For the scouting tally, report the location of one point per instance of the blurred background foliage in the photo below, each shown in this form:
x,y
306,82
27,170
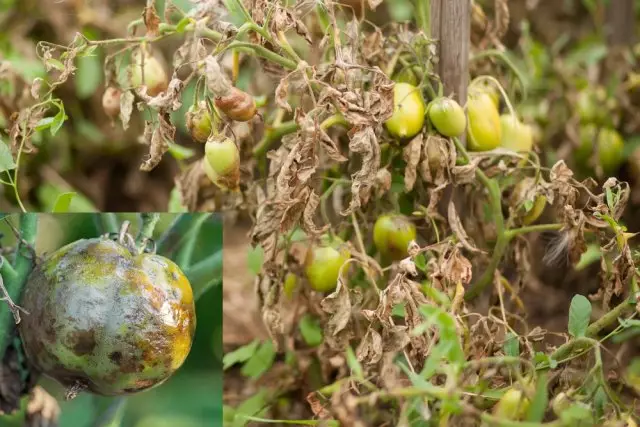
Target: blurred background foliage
x,y
192,397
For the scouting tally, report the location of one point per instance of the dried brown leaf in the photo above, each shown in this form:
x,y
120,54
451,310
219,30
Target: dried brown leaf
x,y
458,229
365,142
163,132
411,155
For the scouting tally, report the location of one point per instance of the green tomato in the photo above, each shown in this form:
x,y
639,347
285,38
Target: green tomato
x,y
516,136
392,235
513,405
483,132
592,106
155,77
408,75
199,122
610,147
408,111
448,117
323,264
487,88
106,319
222,163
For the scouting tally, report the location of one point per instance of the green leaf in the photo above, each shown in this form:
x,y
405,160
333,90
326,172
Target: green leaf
x,y
44,123
255,258
511,345
58,120
353,363
311,330
261,361
179,152
55,64
540,400
588,257
63,202
253,406
88,75
239,355
579,315
6,158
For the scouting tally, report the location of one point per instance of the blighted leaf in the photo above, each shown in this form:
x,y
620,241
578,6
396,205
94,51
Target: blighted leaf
x,y
458,229
126,108
282,95
370,349
365,142
411,155
151,19
163,133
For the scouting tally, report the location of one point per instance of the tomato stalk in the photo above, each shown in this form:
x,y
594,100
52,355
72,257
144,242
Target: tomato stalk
x,y
149,221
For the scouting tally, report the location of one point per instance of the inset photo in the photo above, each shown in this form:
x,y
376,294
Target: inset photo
x,y
111,320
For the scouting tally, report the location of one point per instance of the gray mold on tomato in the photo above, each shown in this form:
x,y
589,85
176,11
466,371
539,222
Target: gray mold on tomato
x,y
105,319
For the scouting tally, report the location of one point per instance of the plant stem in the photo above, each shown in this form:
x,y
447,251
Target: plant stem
x,y
106,222
532,229
188,244
205,274
263,52
610,317
149,221
567,348
423,16
6,270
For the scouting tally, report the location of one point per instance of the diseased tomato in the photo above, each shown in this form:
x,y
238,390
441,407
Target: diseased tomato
x,y
155,76
392,235
111,101
106,319
408,111
199,122
512,405
516,136
610,147
323,264
447,116
237,105
222,162
483,132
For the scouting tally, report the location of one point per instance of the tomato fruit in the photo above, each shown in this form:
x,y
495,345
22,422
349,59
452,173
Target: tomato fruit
x,y
447,116
487,88
539,202
610,147
323,264
155,77
408,111
560,403
222,162
483,132
592,106
238,105
111,101
199,122
516,136
107,319
512,405
408,75
392,235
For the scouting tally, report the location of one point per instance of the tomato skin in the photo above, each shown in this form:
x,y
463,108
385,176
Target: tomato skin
x,y
238,105
392,235
323,264
487,89
512,405
111,101
408,111
516,136
610,147
448,117
199,122
155,76
114,321
222,163
483,132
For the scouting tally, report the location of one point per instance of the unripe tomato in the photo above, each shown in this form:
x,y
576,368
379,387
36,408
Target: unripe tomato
x,y
237,105
483,132
487,88
408,111
107,319
560,403
111,101
408,75
222,162
591,106
155,76
448,117
609,144
199,122
513,405
323,264
519,195
392,235
516,136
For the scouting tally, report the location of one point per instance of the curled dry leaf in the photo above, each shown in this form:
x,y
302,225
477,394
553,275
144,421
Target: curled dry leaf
x,y
458,229
151,19
163,132
217,82
126,108
411,155
365,142
168,100
339,304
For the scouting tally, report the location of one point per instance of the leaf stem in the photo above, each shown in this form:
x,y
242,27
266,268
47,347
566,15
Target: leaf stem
x,y
611,317
149,221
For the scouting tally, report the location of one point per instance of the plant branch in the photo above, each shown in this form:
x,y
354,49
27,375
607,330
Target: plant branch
x,y
149,221
611,317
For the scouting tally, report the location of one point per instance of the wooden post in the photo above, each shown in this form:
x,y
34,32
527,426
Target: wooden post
x,y
620,26
451,25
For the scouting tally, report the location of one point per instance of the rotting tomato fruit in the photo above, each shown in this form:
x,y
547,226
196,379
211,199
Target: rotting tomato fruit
x,y
222,162
512,405
323,263
155,76
111,101
483,132
516,136
609,144
447,116
106,319
408,111
238,105
392,235
199,122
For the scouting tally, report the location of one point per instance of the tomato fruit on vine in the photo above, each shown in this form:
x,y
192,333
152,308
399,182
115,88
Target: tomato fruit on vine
x,y
222,162
608,143
516,136
111,101
408,75
199,122
483,132
592,106
104,318
447,116
513,405
408,111
144,64
238,105
392,235
484,87
323,264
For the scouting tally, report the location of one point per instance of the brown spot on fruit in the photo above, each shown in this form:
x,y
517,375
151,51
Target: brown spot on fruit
x,y
82,342
116,357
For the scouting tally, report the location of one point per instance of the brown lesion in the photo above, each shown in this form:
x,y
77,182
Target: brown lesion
x,y
82,342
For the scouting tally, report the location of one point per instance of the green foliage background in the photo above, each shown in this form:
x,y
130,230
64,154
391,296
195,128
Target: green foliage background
x,y
193,396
